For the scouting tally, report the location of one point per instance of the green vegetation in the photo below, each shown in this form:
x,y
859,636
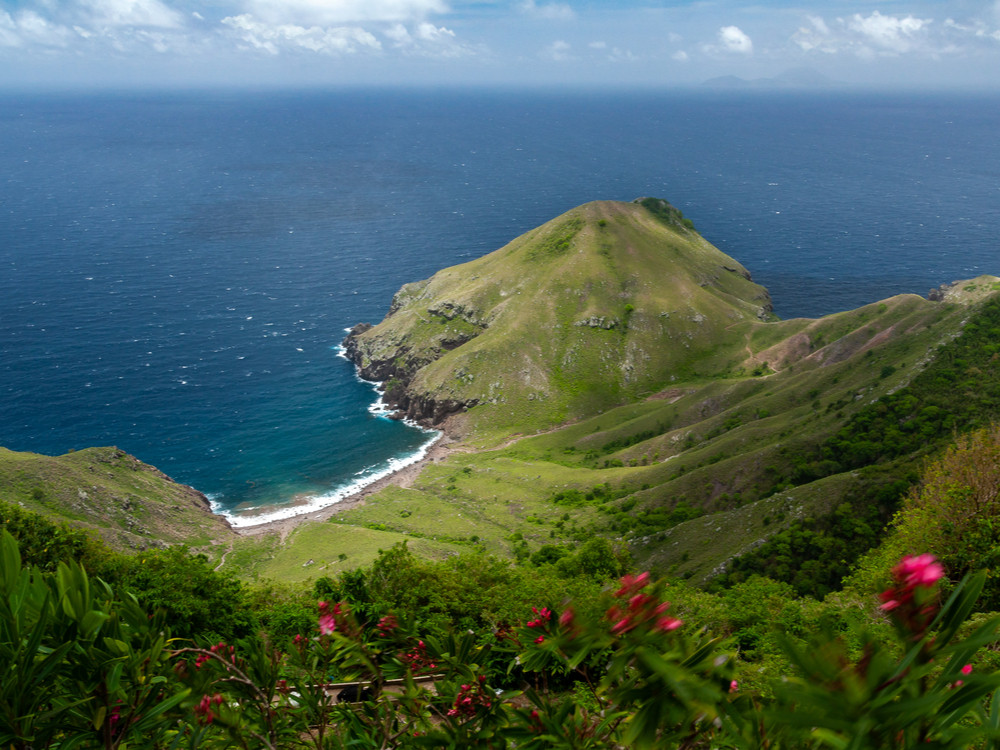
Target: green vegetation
x,y
603,422
88,666
570,324
131,505
958,391
685,400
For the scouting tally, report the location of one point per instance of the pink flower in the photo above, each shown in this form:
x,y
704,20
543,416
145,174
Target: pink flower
x,y
734,686
967,669
638,601
203,711
566,618
386,625
919,570
621,626
540,639
327,623
632,584
666,624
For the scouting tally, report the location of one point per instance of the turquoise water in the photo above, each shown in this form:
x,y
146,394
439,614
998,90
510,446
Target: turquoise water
x,y
177,270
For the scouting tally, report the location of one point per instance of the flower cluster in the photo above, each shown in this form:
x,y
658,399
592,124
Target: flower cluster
x,y
221,650
913,598
417,660
386,625
470,698
966,671
542,618
203,711
636,608
327,617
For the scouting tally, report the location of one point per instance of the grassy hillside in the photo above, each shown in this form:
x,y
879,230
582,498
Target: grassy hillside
x,y
722,444
131,505
726,452
596,308
611,374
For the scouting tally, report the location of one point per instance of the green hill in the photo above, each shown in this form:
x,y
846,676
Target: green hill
x,y
131,505
598,307
612,374
689,423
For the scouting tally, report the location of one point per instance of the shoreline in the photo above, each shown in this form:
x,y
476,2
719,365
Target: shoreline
x,y
404,477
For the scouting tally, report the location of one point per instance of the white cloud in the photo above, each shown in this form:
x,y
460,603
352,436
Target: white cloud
x,y
426,39
140,13
428,32
342,12
890,34
28,28
614,54
877,35
399,34
975,29
547,11
679,56
559,51
733,39
275,38
815,37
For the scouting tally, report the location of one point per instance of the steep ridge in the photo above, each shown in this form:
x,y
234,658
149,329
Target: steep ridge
x,y
595,308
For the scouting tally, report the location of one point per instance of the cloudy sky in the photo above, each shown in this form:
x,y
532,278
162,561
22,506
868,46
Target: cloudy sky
x,y
893,43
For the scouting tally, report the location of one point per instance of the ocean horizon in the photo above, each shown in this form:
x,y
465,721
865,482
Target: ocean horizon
x,y
179,268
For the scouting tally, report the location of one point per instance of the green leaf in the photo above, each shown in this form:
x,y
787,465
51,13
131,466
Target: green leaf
x,y
154,715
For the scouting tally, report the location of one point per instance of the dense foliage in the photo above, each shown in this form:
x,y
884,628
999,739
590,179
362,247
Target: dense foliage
x,y
87,667
958,391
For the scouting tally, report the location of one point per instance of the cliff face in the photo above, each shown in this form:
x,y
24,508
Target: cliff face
x,y
599,306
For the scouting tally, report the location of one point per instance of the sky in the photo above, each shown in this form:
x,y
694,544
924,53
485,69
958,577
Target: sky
x,y
578,43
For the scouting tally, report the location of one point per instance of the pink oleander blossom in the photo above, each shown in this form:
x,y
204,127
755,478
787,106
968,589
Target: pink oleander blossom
x,y
912,601
666,624
566,618
203,711
632,584
918,570
327,622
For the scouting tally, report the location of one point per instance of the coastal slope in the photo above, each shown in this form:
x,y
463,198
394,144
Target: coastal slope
x,y
130,504
598,307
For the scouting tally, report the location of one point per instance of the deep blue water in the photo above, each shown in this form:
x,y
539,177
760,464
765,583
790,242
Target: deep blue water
x,y
177,270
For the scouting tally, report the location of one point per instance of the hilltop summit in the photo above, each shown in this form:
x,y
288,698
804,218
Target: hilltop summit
x,y
604,304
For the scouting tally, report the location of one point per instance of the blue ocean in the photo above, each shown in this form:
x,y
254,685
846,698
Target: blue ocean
x,y
177,269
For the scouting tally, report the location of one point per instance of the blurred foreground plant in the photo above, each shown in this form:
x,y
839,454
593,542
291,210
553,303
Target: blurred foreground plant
x,y
82,667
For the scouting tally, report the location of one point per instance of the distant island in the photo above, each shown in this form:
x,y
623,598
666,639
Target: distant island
x,y
796,78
